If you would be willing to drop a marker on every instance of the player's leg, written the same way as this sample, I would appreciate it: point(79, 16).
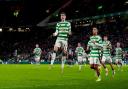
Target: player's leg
point(62, 63)
point(111, 65)
point(84, 60)
point(55, 50)
point(37, 59)
point(103, 63)
point(91, 63)
point(80, 62)
point(96, 66)
point(97, 72)
point(64, 54)
point(53, 57)
point(120, 64)
point(56, 47)
point(117, 63)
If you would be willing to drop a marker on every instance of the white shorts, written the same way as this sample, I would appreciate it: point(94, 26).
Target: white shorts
point(84, 59)
point(94, 60)
point(80, 59)
point(37, 58)
point(62, 43)
point(118, 60)
point(107, 59)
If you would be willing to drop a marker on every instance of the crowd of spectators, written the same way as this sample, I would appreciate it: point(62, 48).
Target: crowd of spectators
point(24, 43)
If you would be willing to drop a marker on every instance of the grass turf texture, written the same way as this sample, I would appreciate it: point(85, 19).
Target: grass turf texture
point(25, 76)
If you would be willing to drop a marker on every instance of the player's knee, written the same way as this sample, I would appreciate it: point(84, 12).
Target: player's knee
point(95, 66)
point(64, 53)
point(110, 62)
point(55, 48)
point(103, 62)
point(80, 63)
point(92, 66)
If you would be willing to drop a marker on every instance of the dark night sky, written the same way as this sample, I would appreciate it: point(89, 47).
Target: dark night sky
point(31, 12)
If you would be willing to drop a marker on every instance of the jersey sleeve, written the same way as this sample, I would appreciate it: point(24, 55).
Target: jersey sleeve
point(83, 50)
point(40, 50)
point(34, 50)
point(110, 45)
point(69, 27)
point(76, 50)
point(121, 51)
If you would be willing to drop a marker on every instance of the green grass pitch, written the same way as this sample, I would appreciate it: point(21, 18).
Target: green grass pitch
point(26, 76)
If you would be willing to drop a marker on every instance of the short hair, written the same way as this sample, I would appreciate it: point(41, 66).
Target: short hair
point(118, 42)
point(63, 13)
point(95, 28)
point(79, 42)
point(37, 44)
point(105, 35)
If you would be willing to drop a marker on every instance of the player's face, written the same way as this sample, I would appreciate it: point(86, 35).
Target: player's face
point(63, 17)
point(105, 38)
point(95, 31)
point(37, 45)
point(79, 44)
point(118, 44)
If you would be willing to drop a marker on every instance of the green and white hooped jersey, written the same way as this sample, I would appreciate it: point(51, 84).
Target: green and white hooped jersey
point(106, 48)
point(95, 48)
point(118, 53)
point(63, 29)
point(80, 51)
point(37, 52)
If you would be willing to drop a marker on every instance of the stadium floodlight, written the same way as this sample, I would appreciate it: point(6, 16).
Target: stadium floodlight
point(126, 2)
point(1, 29)
point(27, 28)
point(10, 29)
point(99, 7)
point(77, 11)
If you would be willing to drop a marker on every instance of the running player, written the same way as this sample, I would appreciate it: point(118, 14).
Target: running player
point(37, 54)
point(95, 45)
point(118, 55)
point(106, 54)
point(80, 53)
point(63, 30)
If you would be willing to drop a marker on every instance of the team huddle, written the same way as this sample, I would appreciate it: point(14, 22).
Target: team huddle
point(99, 51)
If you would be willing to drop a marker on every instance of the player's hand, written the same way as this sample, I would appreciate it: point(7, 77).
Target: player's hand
point(93, 42)
point(70, 33)
point(108, 46)
point(54, 34)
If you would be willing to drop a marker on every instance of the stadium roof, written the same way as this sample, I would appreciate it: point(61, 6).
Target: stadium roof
point(31, 12)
